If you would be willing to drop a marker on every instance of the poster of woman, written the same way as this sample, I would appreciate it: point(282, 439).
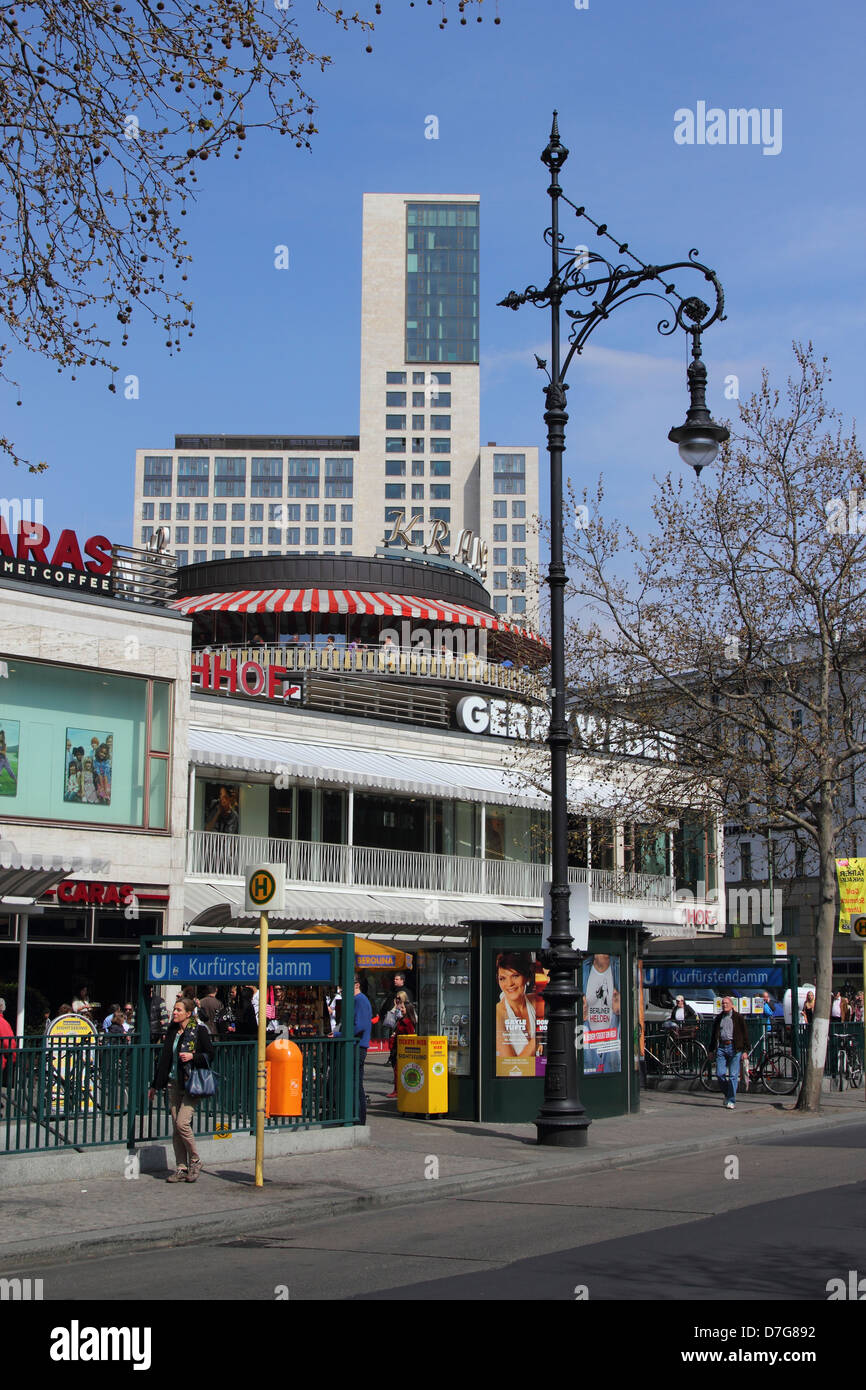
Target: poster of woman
point(520, 1020)
point(10, 734)
point(87, 767)
point(602, 1016)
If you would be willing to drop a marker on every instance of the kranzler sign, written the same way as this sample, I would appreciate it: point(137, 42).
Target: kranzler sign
point(851, 876)
point(31, 555)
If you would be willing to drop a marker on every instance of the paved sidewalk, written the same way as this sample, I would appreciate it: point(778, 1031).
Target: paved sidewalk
point(407, 1161)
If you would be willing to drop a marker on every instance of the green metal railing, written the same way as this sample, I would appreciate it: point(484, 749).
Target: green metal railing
point(656, 1036)
point(79, 1094)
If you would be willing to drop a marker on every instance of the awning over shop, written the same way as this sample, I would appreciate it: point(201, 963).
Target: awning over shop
point(214, 906)
point(350, 601)
point(357, 767)
point(369, 955)
point(24, 878)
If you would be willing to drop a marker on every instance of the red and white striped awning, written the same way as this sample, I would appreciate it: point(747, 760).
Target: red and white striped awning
point(349, 601)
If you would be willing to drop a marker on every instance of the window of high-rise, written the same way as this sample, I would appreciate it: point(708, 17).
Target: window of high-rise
point(442, 282)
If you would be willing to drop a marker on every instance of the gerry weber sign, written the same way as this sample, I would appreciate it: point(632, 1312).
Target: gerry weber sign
point(31, 555)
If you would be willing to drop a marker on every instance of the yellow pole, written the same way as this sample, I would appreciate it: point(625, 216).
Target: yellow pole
point(261, 1073)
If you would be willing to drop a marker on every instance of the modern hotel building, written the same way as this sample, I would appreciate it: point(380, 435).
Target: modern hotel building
point(417, 463)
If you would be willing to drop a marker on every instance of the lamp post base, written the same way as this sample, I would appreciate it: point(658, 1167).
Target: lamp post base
point(569, 1132)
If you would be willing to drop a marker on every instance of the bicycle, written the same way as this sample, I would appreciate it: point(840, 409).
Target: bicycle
point(680, 1054)
point(849, 1064)
point(777, 1070)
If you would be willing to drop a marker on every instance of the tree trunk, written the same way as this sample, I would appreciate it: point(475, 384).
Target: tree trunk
point(810, 1091)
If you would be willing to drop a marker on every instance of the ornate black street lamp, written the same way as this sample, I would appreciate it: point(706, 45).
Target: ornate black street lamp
point(562, 1119)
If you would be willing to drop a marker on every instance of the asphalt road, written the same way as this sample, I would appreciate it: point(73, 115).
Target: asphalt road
point(772, 1220)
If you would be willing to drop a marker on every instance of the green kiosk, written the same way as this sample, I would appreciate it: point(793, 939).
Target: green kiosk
point(488, 1000)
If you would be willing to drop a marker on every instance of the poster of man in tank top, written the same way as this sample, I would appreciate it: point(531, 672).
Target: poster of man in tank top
point(602, 1015)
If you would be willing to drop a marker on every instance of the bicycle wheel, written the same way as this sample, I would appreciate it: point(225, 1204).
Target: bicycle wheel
point(780, 1074)
point(841, 1077)
point(692, 1055)
point(709, 1080)
point(856, 1070)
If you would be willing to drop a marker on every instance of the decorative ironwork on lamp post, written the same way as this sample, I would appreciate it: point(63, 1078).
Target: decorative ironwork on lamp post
point(606, 284)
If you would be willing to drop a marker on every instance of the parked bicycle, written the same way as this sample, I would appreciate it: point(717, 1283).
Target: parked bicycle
point(678, 1052)
point(849, 1063)
point(767, 1064)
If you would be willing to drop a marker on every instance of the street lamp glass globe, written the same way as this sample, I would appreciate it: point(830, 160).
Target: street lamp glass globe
point(698, 450)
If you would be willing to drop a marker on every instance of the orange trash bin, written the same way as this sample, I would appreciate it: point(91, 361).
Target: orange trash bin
point(285, 1074)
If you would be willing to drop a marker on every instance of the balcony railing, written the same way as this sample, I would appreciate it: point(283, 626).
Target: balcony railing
point(212, 854)
point(386, 662)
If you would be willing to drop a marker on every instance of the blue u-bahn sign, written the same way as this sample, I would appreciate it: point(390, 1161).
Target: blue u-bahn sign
point(238, 967)
point(714, 976)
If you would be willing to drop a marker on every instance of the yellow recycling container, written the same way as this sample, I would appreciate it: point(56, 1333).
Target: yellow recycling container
point(422, 1075)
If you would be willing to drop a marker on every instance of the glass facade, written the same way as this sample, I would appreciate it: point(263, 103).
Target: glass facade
point(442, 282)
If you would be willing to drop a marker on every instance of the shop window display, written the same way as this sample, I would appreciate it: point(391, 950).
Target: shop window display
point(74, 745)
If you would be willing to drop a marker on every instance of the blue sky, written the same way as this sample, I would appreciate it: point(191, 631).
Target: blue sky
point(278, 351)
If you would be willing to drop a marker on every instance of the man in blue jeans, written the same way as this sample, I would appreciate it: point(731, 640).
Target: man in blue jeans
point(363, 1024)
point(729, 1040)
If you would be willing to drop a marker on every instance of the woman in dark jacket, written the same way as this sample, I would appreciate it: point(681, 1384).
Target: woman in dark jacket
point(187, 1045)
point(405, 1021)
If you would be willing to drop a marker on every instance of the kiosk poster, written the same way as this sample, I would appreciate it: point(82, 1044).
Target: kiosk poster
point(851, 874)
point(87, 767)
point(520, 1022)
point(10, 737)
point(601, 1015)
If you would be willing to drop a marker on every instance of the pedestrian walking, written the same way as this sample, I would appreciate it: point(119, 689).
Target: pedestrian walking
point(117, 1025)
point(109, 1017)
point(809, 1008)
point(158, 1017)
point(729, 1040)
point(363, 1020)
point(209, 1010)
point(405, 1022)
point(246, 1020)
point(187, 1045)
point(8, 1046)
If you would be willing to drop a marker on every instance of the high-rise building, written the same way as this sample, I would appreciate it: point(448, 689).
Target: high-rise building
point(416, 465)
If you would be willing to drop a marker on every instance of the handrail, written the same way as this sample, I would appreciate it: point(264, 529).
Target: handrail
point(217, 855)
point(384, 661)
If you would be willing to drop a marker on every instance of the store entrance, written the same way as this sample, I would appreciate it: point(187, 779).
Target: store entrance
point(57, 973)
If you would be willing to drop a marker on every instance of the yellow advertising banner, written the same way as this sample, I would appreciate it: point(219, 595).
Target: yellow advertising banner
point(851, 876)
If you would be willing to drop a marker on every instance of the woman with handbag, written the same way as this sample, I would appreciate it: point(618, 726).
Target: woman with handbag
point(184, 1067)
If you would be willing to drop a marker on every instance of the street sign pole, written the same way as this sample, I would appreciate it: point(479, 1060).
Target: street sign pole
point(265, 892)
point(261, 1065)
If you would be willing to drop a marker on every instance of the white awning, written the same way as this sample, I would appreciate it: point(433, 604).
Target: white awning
point(218, 905)
point(391, 770)
point(358, 767)
point(25, 877)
